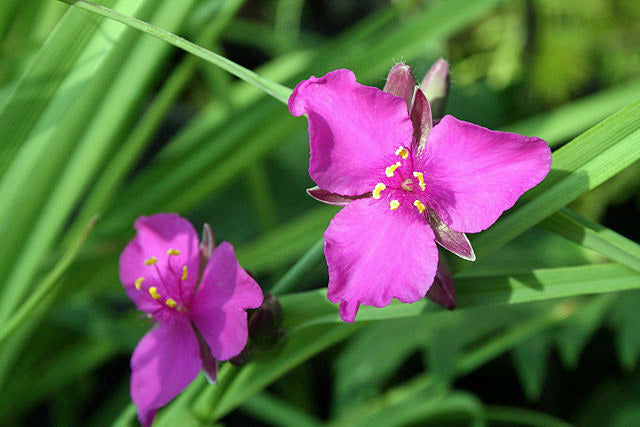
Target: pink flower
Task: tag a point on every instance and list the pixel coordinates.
(200, 316)
(406, 185)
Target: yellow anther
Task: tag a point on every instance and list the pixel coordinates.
(173, 252)
(394, 204)
(420, 180)
(138, 283)
(402, 152)
(185, 274)
(377, 190)
(153, 291)
(391, 169)
(151, 261)
(418, 204)
(170, 303)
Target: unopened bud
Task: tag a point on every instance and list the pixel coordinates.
(435, 85)
(443, 290)
(400, 82)
(264, 329)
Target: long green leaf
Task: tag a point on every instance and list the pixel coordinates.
(599, 238)
(274, 89)
(45, 287)
(310, 308)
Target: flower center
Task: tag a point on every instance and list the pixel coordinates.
(401, 184)
(168, 291)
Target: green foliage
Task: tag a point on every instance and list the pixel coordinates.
(119, 108)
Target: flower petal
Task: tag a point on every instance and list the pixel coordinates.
(435, 86)
(454, 242)
(330, 198)
(474, 174)
(400, 82)
(421, 119)
(443, 290)
(351, 126)
(156, 235)
(375, 254)
(219, 307)
(164, 362)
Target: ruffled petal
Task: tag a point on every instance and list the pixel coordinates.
(351, 128)
(474, 174)
(170, 241)
(164, 362)
(219, 307)
(375, 254)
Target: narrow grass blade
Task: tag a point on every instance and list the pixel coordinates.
(279, 92)
(45, 287)
(591, 235)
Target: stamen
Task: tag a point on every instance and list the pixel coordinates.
(394, 204)
(185, 274)
(391, 169)
(377, 190)
(151, 261)
(402, 152)
(153, 291)
(418, 204)
(173, 252)
(407, 184)
(420, 180)
(170, 303)
(138, 283)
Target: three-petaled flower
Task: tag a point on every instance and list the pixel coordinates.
(406, 184)
(201, 315)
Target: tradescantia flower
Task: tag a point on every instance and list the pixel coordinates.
(200, 315)
(405, 183)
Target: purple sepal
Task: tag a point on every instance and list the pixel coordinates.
(207, 243)
(435, 86)
(400, 82)
(421, 120)
(330, 198)
(453, 241)
(209, 364)
(443, 290)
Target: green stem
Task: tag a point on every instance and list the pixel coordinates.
(299, 269)
(276, 90)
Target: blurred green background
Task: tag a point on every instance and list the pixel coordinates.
(98, 118)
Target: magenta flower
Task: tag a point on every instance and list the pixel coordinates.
(196, 324)
(406, 184)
